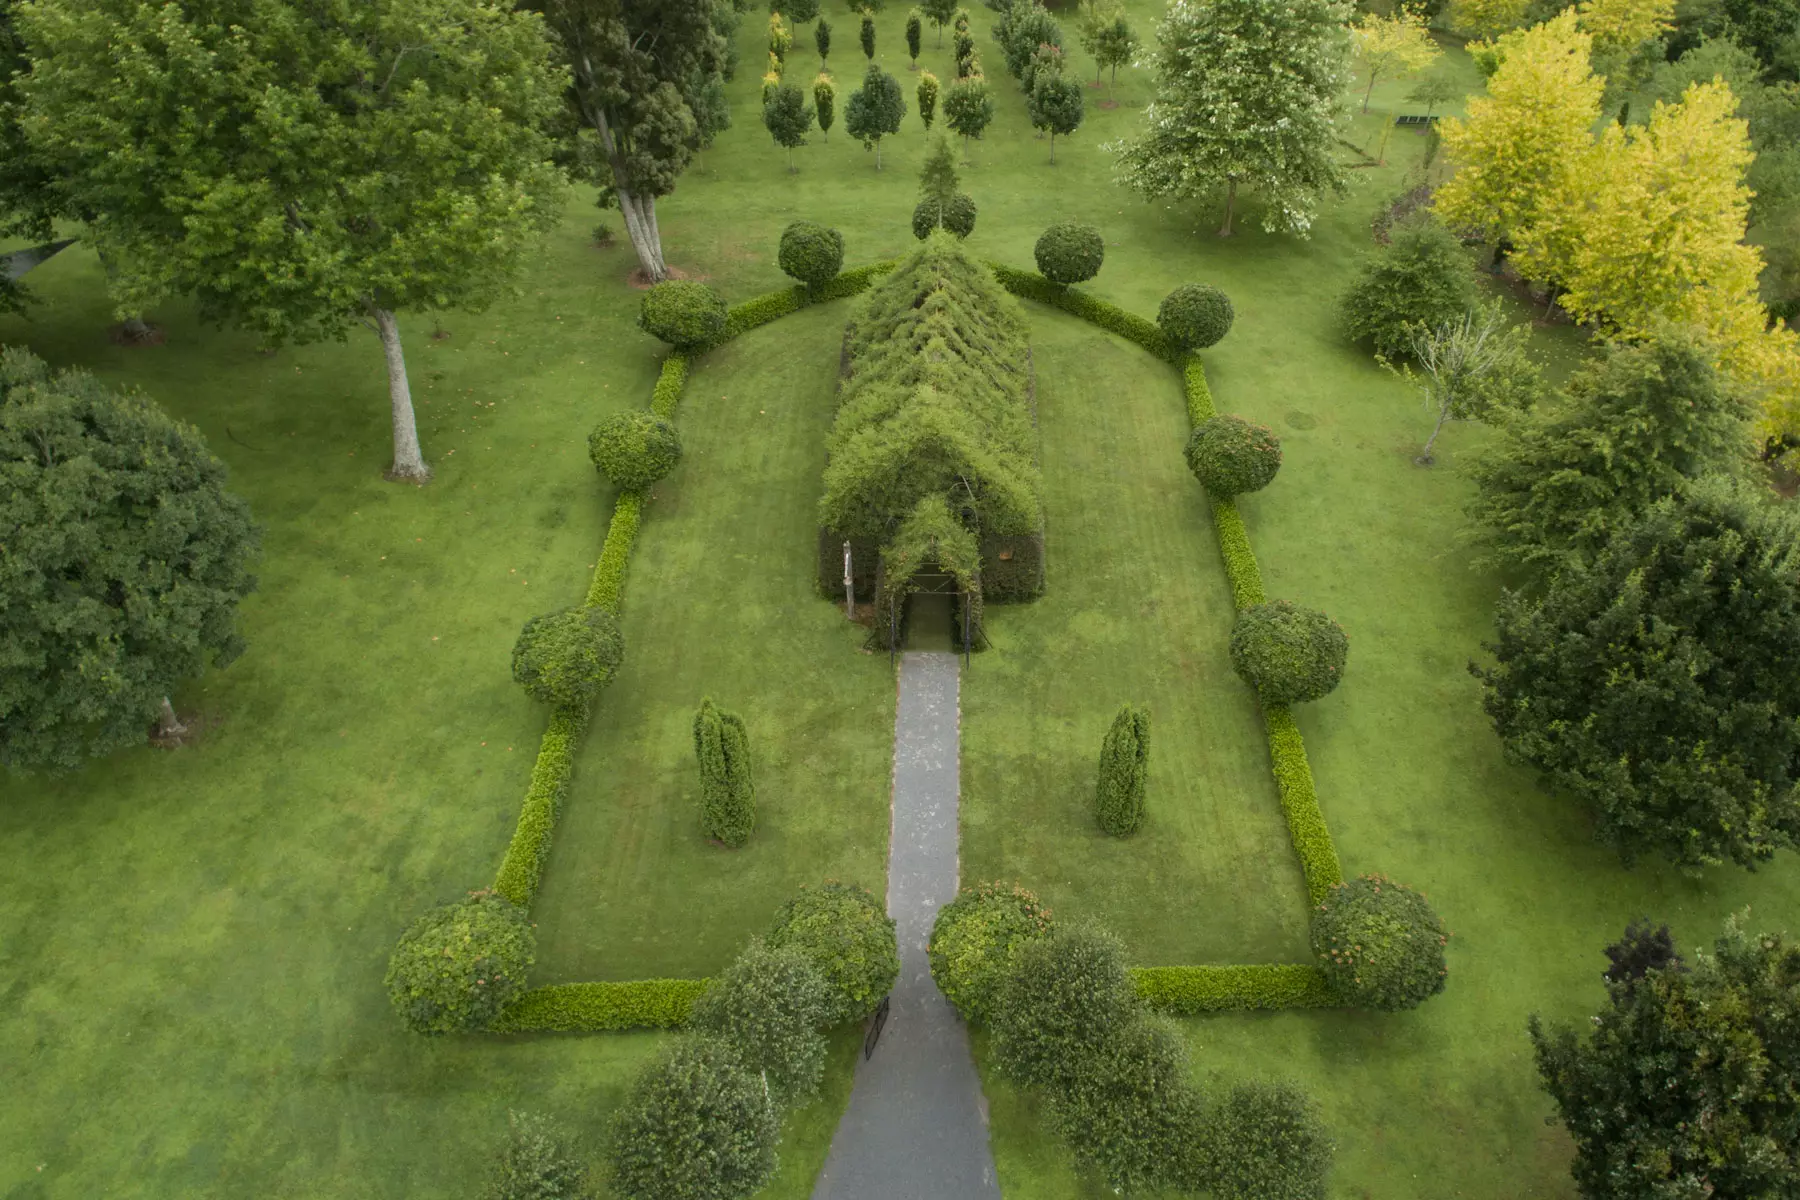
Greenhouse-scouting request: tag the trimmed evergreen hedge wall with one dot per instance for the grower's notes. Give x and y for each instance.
(1189, 991)
(595, 1007)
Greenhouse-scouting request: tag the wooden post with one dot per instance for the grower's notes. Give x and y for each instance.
(849, 587)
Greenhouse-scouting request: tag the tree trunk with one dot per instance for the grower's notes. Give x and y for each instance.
(878, 154)
(409, 462)
(168, 725)
(135, 329)
(1425, 459)
(639, 211)
(1370, 92)
(1230, 202)
(1053, 147)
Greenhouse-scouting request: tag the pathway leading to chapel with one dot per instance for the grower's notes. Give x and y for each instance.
(916, 1128)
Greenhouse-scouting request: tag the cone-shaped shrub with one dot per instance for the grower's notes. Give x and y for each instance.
(1124, 769)
(727, 794)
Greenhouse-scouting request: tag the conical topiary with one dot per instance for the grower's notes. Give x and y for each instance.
(1124, 770)
(727, 795)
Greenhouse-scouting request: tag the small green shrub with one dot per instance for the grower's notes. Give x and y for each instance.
(1063, 996)
(1264, 1141)
(696, 1126)
(1124, 772)
(973, 940)
(1379, 944)
(1287, 653)
(1195, 316)
(811, 253)
(684, 313)
(459, 965)
(537, 1162)
(769, 1006)
(848, 936)
(601, 1007)
(1422, 277)
(956, 214)
(568, 657)
(1231, 456)
(727, 791)
(1070, 252)
(634, 449)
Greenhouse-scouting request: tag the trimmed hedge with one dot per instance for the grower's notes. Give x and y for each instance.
(685, 313)
(1189, 991)
(1240, 560)
(595, 1007)
(758, 311)
(615, 552)
(671, 381)
(1300, 804)
(523, 867)
(1199, 395)
(1030, 285)
(634, 449)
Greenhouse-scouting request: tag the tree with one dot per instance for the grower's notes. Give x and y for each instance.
(1488, 18)
(1066, 993)
(938, 179)
(125, 562)
(1437, 87)
(1560, 482)
(1379, 944)
(822, 39)
(1398, 44)
(1473, 368)
(1024, 27)
(696, 1126)
(941, 12)
(1643, 948)
(1092, 19)
(567, 657)
(537, 1162)
(781, 37)
(868, 36)
(915, 24)
(847, 935)
(1287, 653)
(638, 68)
(824, 103)
(968, 109)
(727, 792)
(973, 939)
(1620, 27)
(1265, 1141)
(1231, 456)
(1767, 28)
(875, 110)
(458, 966)
(769, 1006)
(1113, 47)
(927, 96)
(1131, 1112)
(1056, 105)
(1124, 772)
(1247, 96)
(787, 118)
(1682, 1085)
(346, 168)
(800, 11)
(1422, 277)
(1659, 683)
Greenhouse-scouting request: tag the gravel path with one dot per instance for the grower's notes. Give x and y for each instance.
(916, 1128)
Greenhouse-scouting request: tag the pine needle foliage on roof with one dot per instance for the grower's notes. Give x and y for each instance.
(937, 402)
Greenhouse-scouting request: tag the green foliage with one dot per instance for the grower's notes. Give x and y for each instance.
(787, 118)
(1069, 252)
(760, 310)
(634, 449)
(938, 179)
(458, 966)
(1114, 45)
(1056, 105)
(537, 1162)
(1190, 991)
(1476, 366)
(968, 107)
(822, 40)
(973, 940)
(1659, 683)
(1240, 560)
(917, 418)
(1195, 316)
(1287, 653)
(615, 552)
(915, 24)
(1265, 1141)
(844, 932)
(696, 1126)
(727, 792)
(125, 559)
(1379, 944)
(824, 93)
(1124, 772)
(941, 13)
(1683, 1085)
(1421, 277)
(568, 657)
(1131, 1112)
(1065, 994)
(1307, 831)
(686, 314)
(1023, 27)
(1558, 484)
(811, 253)
(868, 36)
(1231, 456)
(954, 215)
(1105, 314)
(875, 109)
(601, 1007)
(523, 867)
(797, 11)
(769, 1006)
(927, 96)
(671, 379)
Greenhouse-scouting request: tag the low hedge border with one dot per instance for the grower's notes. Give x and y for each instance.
(602, 1007)
(1300, 804)
(1191, 991)
(1240, 560)
(523, 867)
(1031, 286)
(771, 306)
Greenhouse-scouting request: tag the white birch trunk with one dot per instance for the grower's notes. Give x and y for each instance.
(409, 461)
(168, 724)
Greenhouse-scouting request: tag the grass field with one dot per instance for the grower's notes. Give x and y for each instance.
(192, 943)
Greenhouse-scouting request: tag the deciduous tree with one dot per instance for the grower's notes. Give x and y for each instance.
(1113, 47)
(1392, 45)
(874, 110)
(824, 103)
(927, 96)
(1056, 105)
(787, 118)
(968, 109)
(1473, 367)
(697, 1125)
(941, 12)
(1488, 18)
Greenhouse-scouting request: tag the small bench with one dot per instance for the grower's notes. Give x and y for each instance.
(1416, 120)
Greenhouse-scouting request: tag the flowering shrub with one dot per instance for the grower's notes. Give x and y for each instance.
(1379, 944)
(973, 940)
(457, 966)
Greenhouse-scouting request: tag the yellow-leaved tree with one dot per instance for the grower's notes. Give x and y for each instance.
(1398, 45)
(1487, 18)
(1620, 27)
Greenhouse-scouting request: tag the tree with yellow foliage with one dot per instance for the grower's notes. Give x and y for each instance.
(1620, 27)
(1487, 18)
(1399, 44)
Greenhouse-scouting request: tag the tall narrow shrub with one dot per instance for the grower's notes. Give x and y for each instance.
(928, 96)
(868, 36)
(915, 22)
(1124, 768)
(727, 794)
(825, 102)
(822, 39)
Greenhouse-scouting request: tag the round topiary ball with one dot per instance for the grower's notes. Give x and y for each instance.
(567, 657)
(1379, 944)
(458, 966)
(1195, 316)
(847, 935)
(683, 313)
(973, 940)
(959, 215)
(1070, 252)
(811, 253)
(1288, 653)
(1231, 456)
(634, 449)
(925, 217)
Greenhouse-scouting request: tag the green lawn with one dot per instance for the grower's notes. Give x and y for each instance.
(192, 943)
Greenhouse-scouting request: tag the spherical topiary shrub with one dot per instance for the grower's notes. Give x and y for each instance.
(683, 313)
(1287, 653)
(957, 214)
(811, 253)
(1061, 998)
(1379, 944)
(567, 657)
(634, 449)
(973, 940)
(459, 965)
(1070, 252)
(1195, 316)
(847, 935)
(1231, 456)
